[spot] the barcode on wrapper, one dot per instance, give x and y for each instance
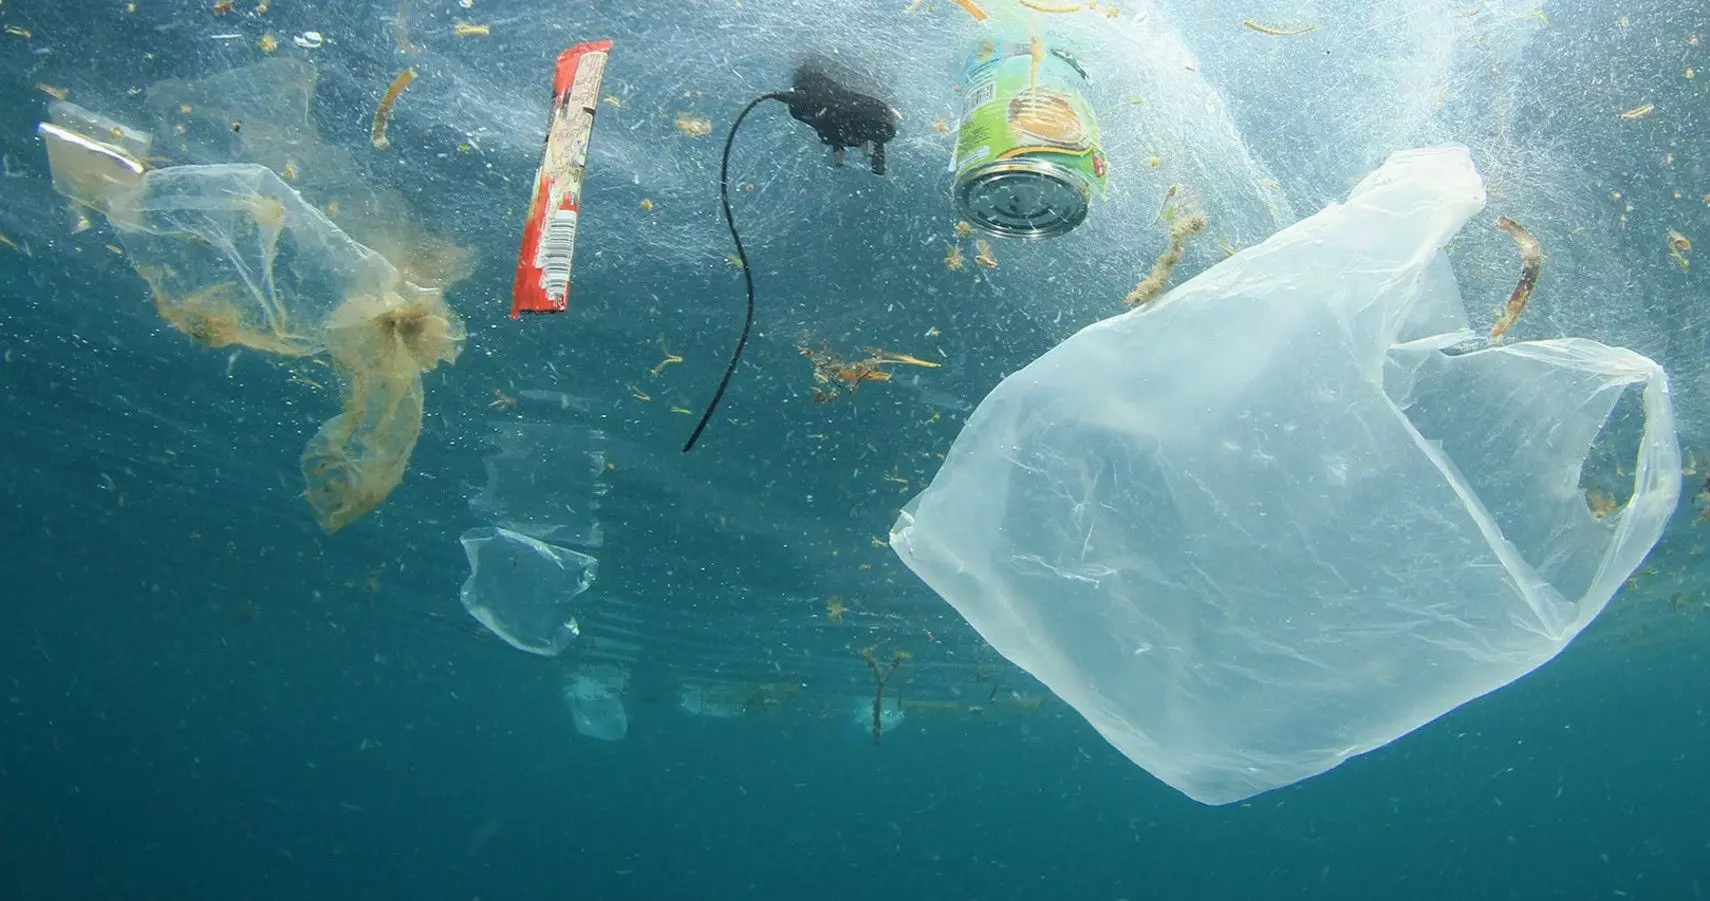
(552, 256)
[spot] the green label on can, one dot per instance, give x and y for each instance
(1024, 101)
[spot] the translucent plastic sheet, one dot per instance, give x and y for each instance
(235, 257)
(263, 113)
(545, 481)
(1269, 524)
(525, 590)
(594, 695)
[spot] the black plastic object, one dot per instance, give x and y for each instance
(842, 118)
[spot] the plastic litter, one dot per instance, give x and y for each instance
(524, 589)
(206, 238)
(235, 256)
(595, 698)
(1267, 523)
(555, 208)
(545, 481)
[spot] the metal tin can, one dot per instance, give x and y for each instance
(1028, 159)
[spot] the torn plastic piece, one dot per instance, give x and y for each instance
(93, 158)
(549, 236)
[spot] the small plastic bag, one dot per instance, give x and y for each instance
(1270, 522)
(524, 590)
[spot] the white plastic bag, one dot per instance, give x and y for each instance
(1268, 524)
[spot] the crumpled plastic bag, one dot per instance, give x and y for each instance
(236, 257)
(1280, 518)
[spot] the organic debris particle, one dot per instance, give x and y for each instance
(694, 126)
(613, 101)
(472, 30)
(983, 254)
(670, 358)
(1689, 72)
(222, 7)
(964, 228)
(953, 257)
(54, 92)
(646, 205)
(1600, 503)
(830, 370)
(1056, 8)
(383, 113)
(1531, 261)
(261, 7)
(912, 7)
(1275, 31)
(1182, 229)
(941, 126)
(291, 170)
(18, 32)
(1638, 112)
(973, 9)
(269, 42)
(1678, 246)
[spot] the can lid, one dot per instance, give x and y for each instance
(1024, 199)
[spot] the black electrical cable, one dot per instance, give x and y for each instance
(742, 261)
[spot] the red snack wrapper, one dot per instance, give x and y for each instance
(549, 236)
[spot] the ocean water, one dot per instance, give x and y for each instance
(204, 694)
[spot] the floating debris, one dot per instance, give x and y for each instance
(1678, 246)
(1531, 262)
(973, 9)
(383, 113)
(881, 678)
(829, 369)
(694, 126)
(1053, 8)
(1276, 32)
(1638, 112)
(1181, 230)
